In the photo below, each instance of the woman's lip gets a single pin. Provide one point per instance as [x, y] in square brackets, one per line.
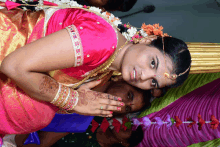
[134, 76]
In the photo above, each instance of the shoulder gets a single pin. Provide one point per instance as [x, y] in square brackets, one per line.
[94, 39]
[97, 39]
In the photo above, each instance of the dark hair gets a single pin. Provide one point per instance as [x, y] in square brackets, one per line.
[146, 94]
[178, 51]
[28, 7]
[121, 5]
[135, 138]
[146, 99]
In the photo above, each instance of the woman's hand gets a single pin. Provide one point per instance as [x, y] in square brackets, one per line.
[96, 103]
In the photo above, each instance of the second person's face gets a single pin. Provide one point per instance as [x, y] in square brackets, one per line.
[132, 97]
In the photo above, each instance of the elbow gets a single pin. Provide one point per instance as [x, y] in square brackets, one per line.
[11, 68]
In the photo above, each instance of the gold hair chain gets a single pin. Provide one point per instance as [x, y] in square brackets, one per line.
[171, 76]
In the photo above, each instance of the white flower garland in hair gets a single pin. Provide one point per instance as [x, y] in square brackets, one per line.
[24, 1]
[1, 6]
[112, 18]
[40, 5]
[132, 34]
[143, 33]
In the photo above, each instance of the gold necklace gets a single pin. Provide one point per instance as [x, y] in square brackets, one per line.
[107, 64]
[101, 68]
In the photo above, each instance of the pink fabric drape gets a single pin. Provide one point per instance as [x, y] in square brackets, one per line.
[21, 114]
[205, 101]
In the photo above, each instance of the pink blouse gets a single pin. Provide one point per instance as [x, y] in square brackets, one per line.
[94, 39]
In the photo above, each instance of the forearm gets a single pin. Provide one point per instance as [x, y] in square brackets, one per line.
[37, 85]
[47, 139]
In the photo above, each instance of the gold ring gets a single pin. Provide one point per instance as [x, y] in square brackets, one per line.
[101, 107]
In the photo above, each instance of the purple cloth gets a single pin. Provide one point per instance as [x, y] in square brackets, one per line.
[205, 101]
[73, 123]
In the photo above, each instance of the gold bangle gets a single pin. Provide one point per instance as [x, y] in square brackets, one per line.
[59, 100]
[57, 95]
[66, 100]
[74, 100]
[63, 97]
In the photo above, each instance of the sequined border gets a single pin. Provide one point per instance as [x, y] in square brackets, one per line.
[77, 45]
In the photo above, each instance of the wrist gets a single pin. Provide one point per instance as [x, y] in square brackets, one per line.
[66, 98]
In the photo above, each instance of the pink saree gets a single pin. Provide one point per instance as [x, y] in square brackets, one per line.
[94, 41]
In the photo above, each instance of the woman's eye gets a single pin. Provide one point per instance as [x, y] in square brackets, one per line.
[154, 82]
[152, 64]
[130, 96]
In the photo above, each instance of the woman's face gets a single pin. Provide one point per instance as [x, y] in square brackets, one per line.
[144, 67]
[132, 97]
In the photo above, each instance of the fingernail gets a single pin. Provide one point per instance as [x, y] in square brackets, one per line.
[99, 79]
[119, 108]
[122, 104]
[119, 99]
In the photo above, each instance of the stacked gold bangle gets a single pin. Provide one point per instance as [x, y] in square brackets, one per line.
[66, 98]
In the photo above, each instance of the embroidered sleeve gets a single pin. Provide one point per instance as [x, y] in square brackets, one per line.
[77, 45]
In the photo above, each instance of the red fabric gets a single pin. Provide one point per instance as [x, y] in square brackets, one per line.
[201, 122]
[95, 125]
[125, 119]
[178, 121]
[116, 124]
[214, 123]
[104, 125]
[191, 124]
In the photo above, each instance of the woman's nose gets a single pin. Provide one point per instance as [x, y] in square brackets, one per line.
[147, 74]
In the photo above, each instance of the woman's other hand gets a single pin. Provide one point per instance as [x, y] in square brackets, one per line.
[96, 103]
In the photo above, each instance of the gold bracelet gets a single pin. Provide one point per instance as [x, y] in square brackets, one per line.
[61, 103]
[57, 95]
[59, 100]
[74, 100]
[66, 100]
